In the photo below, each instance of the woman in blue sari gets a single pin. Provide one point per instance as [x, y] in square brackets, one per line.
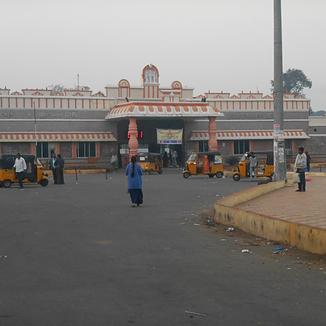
[134, 174]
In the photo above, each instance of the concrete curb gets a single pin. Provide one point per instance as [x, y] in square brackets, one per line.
[310, 174]
[85, 171]
[305, 237]
[81, 171]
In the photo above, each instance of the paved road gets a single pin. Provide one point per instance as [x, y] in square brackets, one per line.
[80, 255]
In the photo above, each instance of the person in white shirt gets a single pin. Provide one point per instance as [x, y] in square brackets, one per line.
[20, 168]
[300, 166]
[253, 165]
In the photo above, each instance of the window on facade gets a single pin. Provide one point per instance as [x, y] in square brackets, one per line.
[288, 146]
[42, 150]
[241, 146]
[86, 149]
[203, 146]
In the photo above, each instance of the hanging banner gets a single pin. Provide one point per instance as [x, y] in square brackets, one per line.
[169, 136]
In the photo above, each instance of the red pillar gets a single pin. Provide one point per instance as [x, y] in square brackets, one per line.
[33, 148]
[98, 150]
[133, 142]
[73, 150]
[57, 148]
[212, 133]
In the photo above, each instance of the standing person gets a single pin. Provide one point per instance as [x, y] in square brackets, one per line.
[114, 162]
[59, 169]
[206, 165]
[52, 166]
[20, 168]
[308, 161]
[174, 159]
[134, 174]
[170, 158]
[165, 160]
[300, 166]
[247, 160]
[253, 165]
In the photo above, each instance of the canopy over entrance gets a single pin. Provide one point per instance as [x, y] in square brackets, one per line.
[134, 111]
[163, 110]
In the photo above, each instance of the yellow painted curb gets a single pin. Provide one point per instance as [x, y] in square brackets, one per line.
[305, 237]
[309, 174]
[251, 193]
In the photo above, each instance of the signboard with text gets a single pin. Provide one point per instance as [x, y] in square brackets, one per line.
[169, 136]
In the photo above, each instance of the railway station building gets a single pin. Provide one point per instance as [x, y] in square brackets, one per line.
[123, 119]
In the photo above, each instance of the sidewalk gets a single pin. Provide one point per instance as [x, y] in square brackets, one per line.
[277, 212]
[308, 208]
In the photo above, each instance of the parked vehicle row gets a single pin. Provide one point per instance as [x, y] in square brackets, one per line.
[34, 174]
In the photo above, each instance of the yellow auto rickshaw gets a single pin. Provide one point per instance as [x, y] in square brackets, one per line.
[264, 167]
[207, 163]
[151, 162]
[34, 174]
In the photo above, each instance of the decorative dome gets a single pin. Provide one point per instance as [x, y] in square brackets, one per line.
[176, 85]
[124, 83]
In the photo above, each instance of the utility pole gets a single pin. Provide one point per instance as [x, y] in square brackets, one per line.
[35, 128]
[278, 127]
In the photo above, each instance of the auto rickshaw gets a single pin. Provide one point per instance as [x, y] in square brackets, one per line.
[34, 174]
[207, 163]
[264, 169]
[151, 162]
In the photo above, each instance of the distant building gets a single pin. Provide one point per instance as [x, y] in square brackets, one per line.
[84, 125]
[317, 133]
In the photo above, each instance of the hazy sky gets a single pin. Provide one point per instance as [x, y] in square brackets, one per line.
[206, 44]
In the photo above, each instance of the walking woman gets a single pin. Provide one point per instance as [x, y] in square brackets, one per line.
[134, 174]
[59, 170]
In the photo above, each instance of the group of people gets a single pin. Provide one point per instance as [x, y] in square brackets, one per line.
[134, 172]
[170, 159]
[57, 165]
[252, 164]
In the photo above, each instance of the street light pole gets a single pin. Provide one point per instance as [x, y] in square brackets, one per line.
[35, 128]
[278, 128]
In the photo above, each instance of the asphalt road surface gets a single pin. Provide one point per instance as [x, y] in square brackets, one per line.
[79, 254]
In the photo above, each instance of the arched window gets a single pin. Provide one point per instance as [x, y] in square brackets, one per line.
[150, 75]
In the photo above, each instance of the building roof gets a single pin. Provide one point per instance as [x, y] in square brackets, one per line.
[247, 134]
[29, 137]
[163, 110]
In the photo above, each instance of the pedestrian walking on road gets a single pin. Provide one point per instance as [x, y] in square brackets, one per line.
[300, 166]
[134, 174]
[20, 168]
[114, 162]
[59, 170]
